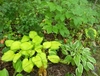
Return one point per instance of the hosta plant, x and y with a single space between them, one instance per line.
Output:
31 51
78 56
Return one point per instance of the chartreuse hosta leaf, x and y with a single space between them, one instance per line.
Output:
37 61
9 42
55 45
52 45
40 60
54 58
15 45
16 57
46 45
8 56
43 59
32 34
27 65
25 38
26 46
37 40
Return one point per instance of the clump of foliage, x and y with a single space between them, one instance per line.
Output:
29 52
78 56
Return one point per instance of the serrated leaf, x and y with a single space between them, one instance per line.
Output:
32 34
54 58
46 45
8 56
25 38
27 65
90 65
15 45
9 42
18 66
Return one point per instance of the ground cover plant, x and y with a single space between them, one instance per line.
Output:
51 32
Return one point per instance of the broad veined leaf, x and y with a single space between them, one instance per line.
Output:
37 61
43 59
54 58
25 52
68 59
91 33
52 6
46 45
9 42
18 66
19 74
38 50
90 65
8 56
15 45
31 52
80 68
26 46
55 45
91 59
4 72
37 40
32 34
77 59
16 57
25 38
52 52
27 65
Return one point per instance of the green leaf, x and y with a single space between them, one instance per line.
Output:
52 52
15 45
26 46
37 40
19 75
90 65
54 58
68 59
91 59
8 56
37 61
4 72
46 45
55 45
77 59
32 34
25 52
27 65
91 33
80 68
18 66
55 29
16 57
43 59
25 38
9 42
52 6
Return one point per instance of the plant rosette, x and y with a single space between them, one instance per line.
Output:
29 52
78 56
